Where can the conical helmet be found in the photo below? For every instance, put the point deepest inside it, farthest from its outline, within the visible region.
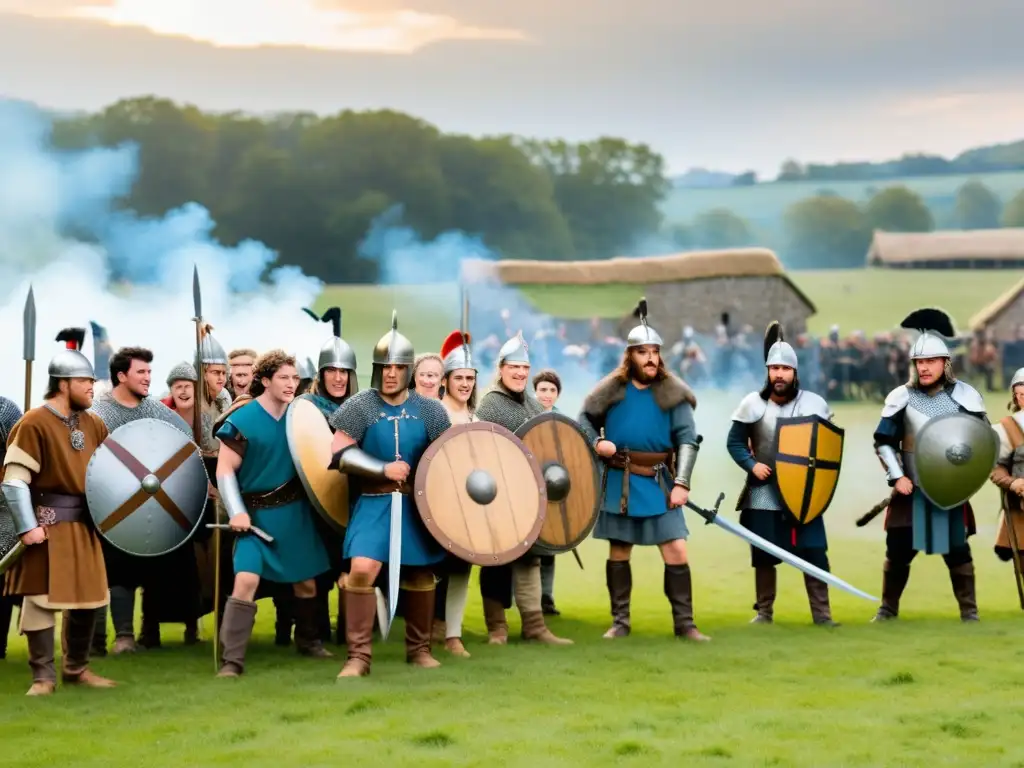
(210, 350)
(392, 349)
(642, 334)
(70, 363)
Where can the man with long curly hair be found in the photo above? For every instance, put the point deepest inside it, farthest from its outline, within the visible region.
(258, 485)
(640, 418)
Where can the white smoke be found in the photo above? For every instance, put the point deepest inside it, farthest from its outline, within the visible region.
(62, 233)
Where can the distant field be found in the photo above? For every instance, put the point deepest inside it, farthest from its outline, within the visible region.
(765, 204)
(868, 300)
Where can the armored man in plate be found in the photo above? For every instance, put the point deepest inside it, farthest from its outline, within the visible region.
(752, 445)
(62, 567)
(380, 435)
(914, 523)
(640, 418)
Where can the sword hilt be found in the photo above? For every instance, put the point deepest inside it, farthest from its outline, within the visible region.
(709, 515)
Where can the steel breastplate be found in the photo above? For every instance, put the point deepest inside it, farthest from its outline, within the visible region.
(921, 409)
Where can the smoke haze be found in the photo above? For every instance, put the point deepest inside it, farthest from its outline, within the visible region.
(45, 195)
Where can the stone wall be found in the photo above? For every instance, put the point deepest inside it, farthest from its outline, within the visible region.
(754, 301)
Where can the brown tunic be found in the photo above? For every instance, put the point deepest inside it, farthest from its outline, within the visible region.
(1012, 503)
(67, 569)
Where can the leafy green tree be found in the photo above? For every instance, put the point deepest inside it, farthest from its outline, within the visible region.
(826, 232)
(977, 207)
(898, 209)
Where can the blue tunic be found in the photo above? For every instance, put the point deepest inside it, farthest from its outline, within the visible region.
(297, 553)
(365, 418)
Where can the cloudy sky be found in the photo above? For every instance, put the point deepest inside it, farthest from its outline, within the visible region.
(728, 84)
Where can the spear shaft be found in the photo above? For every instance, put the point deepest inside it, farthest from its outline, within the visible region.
(29, 326)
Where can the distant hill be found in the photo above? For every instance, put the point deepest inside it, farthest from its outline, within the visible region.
(701, 178)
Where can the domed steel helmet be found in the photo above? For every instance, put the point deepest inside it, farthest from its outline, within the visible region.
(642, 334)
(777, 351)
(932, 324)
(392, 349)
(457, 354)
(70, 363)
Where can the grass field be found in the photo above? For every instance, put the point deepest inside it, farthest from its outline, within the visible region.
(924, 691)
(764, 204)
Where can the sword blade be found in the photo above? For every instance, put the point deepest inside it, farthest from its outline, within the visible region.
(788, 557)
(394, 557)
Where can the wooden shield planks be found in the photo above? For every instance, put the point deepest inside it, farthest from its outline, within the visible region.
(309, 441)
(495, 533)
(808, 454)
(556, 440)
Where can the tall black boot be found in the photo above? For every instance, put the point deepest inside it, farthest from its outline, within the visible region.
(679, 591)
(894, 581)
(284, 605)
(307, 628)
(619, 578)
(962, 578)
(765, 584)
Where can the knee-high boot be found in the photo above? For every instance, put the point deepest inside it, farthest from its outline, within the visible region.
(526, 581)
(419, 617)
(894, 581)
(40, 661)
(360, 612)
(76, 636)
(765, 584)
(962, 579)
(679, 591)
(817, 597)
(619, 578)
(307, 628)
(235, 631)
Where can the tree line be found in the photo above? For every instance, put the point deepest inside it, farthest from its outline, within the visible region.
(828, 231)
(310, 187)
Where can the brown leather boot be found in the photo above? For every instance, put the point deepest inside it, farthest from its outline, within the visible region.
(307, 629)
(894, 581)
(962, 578)
(40, 660)
(817, 596)
(419, 618)
(494, 618)
(360, 613)
(76, 642)
(765, 581)
(619, 578)
(438, 631)
(536, 630)
(679, 591)
(235, 631)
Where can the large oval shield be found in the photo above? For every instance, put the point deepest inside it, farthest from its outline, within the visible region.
(570, 470)
(146, 488)
(808, 453)
(11, 548)
(480, 493)
(953, 457)
(309, 442)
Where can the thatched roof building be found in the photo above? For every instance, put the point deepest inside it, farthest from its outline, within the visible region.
(700, 289)
(1004, 315)
(967, 249)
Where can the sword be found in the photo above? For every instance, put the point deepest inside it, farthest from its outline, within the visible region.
(29, 328)
(258, 532)
(712, 516)
(395, 548)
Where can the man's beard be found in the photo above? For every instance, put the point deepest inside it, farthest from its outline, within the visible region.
(644, 376)
(788, 392)
(78, 404)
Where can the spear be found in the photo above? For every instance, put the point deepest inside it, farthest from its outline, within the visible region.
(29, 325)
(197, 431)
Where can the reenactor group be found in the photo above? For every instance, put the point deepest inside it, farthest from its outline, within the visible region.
(261, 475)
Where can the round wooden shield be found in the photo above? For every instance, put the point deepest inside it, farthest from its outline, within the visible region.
(481, 494)
(309, 442)
(570, 470)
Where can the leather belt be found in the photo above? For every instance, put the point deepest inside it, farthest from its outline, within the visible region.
(641, 463)
(53, 508)
(373, 486)
(283, 494)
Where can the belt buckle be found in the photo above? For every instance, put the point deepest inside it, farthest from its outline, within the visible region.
(46, 516)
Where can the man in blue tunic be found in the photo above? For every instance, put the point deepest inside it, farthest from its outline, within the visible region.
(380, 435)
(750, 443)
(912, 522)
(258, 486)
(640, 418)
